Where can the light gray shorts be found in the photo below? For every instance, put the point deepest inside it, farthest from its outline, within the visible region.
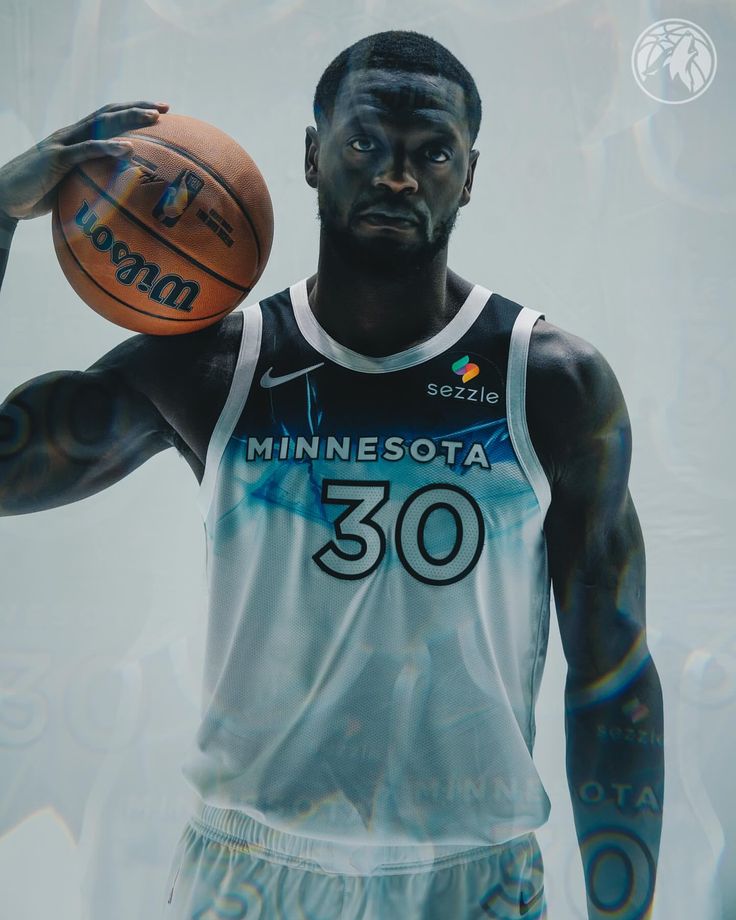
(227, 866)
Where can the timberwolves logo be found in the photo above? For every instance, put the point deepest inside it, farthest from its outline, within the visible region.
(674, 61)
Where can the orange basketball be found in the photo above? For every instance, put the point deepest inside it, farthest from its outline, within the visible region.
(170, 238)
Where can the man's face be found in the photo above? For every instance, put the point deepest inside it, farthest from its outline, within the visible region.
(398, 144)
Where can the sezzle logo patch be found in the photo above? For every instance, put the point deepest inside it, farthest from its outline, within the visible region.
(464, 368)
(635, 710)
(467, 370)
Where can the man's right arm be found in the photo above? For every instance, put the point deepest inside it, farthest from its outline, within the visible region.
(68, 434)
(7, 228)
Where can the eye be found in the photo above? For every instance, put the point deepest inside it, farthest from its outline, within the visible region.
(438, 150)
(361, 140)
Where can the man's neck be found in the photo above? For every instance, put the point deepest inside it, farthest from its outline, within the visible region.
(380, 316)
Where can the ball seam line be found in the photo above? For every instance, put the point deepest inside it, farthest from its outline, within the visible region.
(170, 319)
(157, 236)
(215, 175)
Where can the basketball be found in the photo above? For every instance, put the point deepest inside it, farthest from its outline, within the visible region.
(171, 238)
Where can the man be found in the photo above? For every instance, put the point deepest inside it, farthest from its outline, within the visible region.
(393, 463)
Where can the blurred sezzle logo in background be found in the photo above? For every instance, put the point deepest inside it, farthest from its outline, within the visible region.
(674, 61)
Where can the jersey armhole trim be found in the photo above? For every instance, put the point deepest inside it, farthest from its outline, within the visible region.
(245, 365)
(516, 406)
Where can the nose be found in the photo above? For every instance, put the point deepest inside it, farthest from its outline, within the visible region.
(395, 175)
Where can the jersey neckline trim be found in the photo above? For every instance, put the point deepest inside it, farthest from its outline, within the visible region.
(323, 342)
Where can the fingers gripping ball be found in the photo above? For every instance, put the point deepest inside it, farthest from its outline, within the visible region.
(171, 238)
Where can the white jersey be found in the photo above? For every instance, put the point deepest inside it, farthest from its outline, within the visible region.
(378, 585)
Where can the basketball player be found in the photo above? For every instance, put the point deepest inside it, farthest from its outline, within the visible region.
(394, 462)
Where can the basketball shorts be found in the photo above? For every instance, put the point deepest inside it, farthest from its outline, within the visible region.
(227, 866)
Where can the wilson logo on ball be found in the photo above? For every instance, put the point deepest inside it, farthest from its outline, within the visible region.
(171, 238)
(132, 268)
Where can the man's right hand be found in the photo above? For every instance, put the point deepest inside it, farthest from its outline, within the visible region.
(28, 183)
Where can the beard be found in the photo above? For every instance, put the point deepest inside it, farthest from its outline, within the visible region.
(384, 256)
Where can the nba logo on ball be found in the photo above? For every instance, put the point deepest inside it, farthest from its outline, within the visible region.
(177, 197)
(674, 61)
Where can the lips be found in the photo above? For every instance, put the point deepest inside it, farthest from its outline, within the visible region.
(388, 217)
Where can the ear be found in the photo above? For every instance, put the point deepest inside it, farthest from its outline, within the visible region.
(473, 159)
(311, 157)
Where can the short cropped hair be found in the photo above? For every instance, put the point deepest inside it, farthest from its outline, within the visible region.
(401, 51)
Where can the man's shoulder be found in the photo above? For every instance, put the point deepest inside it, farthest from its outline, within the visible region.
(557, 352)
(144, 357)
(566, 365)
(205, 357)
(572, 393)
(557, 358)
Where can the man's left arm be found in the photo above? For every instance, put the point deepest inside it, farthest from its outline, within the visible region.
(613, 697)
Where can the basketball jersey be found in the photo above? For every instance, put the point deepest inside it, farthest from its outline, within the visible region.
(378, 585)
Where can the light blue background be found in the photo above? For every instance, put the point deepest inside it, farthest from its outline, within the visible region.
(608, 211)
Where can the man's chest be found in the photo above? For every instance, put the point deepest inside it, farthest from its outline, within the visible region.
(293, 390)
(303, 393)
(298, 388)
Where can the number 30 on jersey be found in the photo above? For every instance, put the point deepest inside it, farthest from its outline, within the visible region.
(360, 542)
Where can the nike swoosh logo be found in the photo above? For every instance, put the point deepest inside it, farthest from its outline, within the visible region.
(268, 381)
(526, 906)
